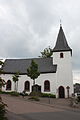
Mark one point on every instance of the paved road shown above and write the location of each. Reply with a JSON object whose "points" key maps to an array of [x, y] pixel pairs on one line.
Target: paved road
{"points": [[65, 115], [19, 109], [61, 115]]}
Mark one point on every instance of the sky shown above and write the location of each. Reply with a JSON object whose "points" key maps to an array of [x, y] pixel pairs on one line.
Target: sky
{"points": [[27, 27]]}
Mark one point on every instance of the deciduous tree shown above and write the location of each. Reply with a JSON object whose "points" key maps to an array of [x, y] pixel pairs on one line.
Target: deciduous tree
{"points": [[2, 105], [15, 78], [47, 52], [32, 71]]}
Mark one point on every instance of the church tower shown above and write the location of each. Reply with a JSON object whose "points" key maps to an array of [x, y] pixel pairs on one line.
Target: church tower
{"points": [[62, 56]]}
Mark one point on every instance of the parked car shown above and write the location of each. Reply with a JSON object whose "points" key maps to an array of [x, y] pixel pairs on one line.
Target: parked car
{"points": [[78, 94]]}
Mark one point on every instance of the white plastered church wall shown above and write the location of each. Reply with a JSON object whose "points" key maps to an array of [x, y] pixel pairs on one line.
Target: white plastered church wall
{"points": [[40, 81], [51, 77], [64, 71]]}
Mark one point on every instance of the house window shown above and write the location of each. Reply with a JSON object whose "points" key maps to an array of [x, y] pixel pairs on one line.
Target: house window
{"points": [[8, 85], [47, 86], [61, 55], [27, 86]]}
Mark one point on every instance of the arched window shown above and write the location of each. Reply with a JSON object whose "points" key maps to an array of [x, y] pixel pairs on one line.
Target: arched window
{"points": [[61, 55], [27, 86], [47, 86], [8, 85]]}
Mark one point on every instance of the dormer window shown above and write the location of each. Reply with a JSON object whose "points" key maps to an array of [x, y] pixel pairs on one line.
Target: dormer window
{"points": [[61, 55]]}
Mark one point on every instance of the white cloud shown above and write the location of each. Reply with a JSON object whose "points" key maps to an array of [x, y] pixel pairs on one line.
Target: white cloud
{"points": [[29, 26]]}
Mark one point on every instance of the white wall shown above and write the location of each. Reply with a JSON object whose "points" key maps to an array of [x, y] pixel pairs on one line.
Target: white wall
{"points": [[40, 81], [64, 71], [48, 76]]}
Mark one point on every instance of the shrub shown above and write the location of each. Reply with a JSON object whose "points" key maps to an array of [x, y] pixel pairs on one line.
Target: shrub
{"points": [[48, 95], [3, 92], [13, 93], [2, 110], [35, 98], [78, 98], [35, 94], [23, 94]]}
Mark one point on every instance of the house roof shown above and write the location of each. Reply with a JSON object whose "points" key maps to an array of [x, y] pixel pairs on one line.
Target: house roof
{"points": [[61, 43], [12, 66]]}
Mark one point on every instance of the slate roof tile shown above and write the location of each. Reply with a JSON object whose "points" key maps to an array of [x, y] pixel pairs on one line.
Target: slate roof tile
{"points": [[61, 43], [20, 65]]}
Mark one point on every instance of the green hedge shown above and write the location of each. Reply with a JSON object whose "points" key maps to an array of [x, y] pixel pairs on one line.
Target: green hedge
{"points": [[3, 92], [13, 93], [22, 94], [35, 94], [34, 98], [48, 95]]}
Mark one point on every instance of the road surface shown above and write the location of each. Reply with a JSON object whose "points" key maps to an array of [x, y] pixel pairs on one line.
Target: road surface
{"points": [[20, 109]]}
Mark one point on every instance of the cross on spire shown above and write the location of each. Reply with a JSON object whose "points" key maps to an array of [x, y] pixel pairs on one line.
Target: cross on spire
{"points": [[60, 23]]}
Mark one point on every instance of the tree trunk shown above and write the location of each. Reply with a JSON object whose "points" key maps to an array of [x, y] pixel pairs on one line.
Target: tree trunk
{"points": [[0, 88], [15, 86], [33, 82], [34, 85]]}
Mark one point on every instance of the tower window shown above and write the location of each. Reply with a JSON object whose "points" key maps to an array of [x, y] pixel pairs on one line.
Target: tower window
{"points": [[61, 55]]}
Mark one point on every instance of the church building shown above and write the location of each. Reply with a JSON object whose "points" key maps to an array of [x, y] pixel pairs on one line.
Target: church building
{"points": [[55, 72]]}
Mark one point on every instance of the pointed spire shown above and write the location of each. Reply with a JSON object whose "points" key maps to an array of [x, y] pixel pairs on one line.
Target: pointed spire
{"points": [[61, 43]]}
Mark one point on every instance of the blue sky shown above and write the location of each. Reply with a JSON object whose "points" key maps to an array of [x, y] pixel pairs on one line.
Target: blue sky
{"points": [[29, 26]]}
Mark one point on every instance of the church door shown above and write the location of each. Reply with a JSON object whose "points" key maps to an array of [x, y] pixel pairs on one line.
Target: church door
{"points": [[61, 92]]}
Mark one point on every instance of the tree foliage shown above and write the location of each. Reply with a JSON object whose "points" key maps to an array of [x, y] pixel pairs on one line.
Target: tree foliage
{"points": [[32, 71], [47, 52], [1, 63], [2, 83], [2, 105], [15, 78], [2, 110]]}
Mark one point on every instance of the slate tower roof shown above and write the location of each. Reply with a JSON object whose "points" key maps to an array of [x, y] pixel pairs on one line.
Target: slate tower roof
{"points": [[61, 43]]}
